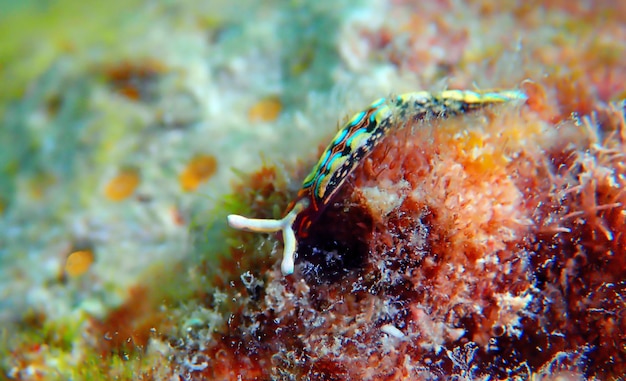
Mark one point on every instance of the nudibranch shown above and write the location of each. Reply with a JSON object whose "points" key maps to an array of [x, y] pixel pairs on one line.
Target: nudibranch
{"points": [[354, 141]]}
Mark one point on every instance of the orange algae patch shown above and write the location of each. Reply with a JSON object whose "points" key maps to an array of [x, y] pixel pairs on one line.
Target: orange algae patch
{"points": [[488, 148], [463, 178], [123, 185], [265, 110], [198, 170], [475, 151], [79, 262]]}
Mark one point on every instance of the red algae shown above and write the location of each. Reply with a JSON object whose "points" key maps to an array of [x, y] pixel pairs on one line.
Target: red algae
{"points": [[489, 245], [128, 327]]}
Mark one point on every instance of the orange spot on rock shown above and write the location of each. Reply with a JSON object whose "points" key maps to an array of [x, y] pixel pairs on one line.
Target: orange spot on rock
{"points": [[79, 262], [123, 185], [266, 110], [199, 169]]}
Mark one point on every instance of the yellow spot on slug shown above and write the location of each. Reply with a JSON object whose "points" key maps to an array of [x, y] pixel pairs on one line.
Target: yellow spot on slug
{"points": [[78, 262], [122, 185], [358, 140], [199, 169], [266, 110]]}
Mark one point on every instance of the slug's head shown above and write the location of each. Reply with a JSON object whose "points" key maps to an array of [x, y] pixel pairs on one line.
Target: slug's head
{"points": [[304, 214], [296, 220], [306, 209]]}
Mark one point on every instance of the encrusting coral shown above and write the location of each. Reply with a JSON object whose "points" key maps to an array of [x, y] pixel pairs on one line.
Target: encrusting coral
{"points": [[487, 245]]}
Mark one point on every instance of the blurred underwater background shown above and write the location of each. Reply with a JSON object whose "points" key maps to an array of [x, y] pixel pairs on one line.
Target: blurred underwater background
{"points": [[129, 130]]}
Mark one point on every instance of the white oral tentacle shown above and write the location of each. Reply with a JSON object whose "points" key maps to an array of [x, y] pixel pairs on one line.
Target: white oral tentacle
{"points": [[257, 225], [269, 226]]}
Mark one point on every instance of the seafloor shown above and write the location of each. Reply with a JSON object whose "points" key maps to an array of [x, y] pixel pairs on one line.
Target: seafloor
{"points": [[484, 247]]}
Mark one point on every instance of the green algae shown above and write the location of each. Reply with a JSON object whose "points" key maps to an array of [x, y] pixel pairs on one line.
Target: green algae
{"points": [[35, 33]]}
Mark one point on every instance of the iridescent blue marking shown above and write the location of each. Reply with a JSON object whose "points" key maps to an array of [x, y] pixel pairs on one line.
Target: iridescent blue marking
{"points": [[354, 135], [340, 136], [357, 119]]}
